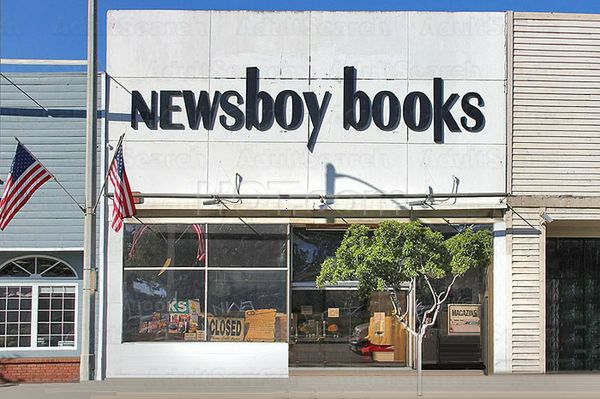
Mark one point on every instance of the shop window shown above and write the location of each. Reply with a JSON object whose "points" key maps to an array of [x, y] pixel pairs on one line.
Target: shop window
{"points": [[335, 327], [166, 296], [325, 321], [247, 305], [168, 245], [163, 305], [310, 249], [243, 245], [54, 322]]}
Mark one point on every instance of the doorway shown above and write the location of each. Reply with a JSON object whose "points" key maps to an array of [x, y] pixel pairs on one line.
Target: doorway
{"points": [[572, 304]]}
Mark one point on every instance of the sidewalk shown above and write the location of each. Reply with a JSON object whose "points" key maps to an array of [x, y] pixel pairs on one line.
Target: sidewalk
{"points": [[311, 387]]}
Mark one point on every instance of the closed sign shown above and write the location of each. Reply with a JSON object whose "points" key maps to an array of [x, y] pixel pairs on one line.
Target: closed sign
{"points": [[226, 328]]}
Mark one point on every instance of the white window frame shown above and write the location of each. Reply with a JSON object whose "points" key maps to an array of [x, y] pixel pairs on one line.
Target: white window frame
{"points": [[35, 290], [207, 269], [33, 276]]}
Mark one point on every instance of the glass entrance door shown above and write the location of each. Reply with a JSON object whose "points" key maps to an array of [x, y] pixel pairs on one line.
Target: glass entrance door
{"points": [[572, 304]]}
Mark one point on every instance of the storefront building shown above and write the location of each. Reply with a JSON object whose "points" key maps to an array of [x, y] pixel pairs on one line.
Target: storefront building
{"points": [[553, 230], [41, 249], [254, 139]]}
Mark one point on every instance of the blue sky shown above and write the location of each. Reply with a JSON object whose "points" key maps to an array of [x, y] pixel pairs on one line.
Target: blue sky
{"points": [[56, 29]]}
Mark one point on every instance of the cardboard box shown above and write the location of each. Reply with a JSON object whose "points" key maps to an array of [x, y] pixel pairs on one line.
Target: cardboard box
{"points": [[383, 356]]}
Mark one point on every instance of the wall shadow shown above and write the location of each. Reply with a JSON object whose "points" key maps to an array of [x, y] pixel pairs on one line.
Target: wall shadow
{"points": [[331, 175]]}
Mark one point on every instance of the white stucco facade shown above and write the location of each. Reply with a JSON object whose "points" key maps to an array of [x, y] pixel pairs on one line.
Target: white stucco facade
{"points": [[305, 52]]}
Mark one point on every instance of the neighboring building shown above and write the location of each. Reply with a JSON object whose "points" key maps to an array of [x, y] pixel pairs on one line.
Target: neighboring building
{"points": [[41, 249], [554, 179]]}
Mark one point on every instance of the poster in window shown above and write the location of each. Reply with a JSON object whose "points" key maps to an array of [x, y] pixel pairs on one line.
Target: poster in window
{"points": [[464, 319], [306, 310]]}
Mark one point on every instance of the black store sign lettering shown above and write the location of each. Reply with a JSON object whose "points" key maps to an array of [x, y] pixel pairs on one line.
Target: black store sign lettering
{"points": [[259, 110]]}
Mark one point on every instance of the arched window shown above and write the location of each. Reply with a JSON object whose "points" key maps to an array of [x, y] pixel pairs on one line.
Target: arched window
{"points": [[38, 304], [36, 267]]}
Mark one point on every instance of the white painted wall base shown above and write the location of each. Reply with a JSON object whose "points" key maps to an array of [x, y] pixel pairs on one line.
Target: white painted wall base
{"points": [[198, 360]]}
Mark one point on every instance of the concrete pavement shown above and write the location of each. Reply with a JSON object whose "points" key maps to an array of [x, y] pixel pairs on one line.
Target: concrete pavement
{"points": [[437, 385]]}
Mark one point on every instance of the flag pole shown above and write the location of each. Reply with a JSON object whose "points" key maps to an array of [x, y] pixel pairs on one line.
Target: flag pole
{"points": [[51, 174], [101, 191]]}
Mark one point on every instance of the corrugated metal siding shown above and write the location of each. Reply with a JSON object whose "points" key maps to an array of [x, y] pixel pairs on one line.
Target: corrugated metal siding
{"points": [[556, 104], [50, 219], [527, 316]]}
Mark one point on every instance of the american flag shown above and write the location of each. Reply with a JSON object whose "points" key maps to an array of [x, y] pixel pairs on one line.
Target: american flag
{"points": [[201, 254], [27, 174], [123, 205]]}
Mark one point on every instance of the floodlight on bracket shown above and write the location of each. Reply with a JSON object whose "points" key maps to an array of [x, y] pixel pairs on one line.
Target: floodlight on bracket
{"points": [[238, 182], [429, 194], [424, 202], [213, 201], [546, 219], [455, 184]]}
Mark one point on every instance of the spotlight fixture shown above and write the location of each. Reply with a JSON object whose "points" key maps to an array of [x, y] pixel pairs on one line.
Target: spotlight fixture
{"points": [[213, 201], [455, 184], [429, 194], [423, 202], [546, 219], [238, 182]]}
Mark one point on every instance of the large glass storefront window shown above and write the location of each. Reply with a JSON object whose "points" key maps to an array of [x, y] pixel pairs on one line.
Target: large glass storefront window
{"points": [[229, 282], [163, 306], [248, 246], [252, 301], [310, 249], [334, 326], [217, 282]]}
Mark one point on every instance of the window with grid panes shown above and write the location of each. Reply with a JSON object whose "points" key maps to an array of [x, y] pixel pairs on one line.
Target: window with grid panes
{"points": [[15, 316], [56, 316], [37, 314], [198, 282]]}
